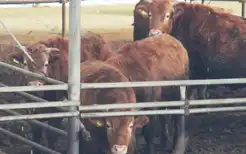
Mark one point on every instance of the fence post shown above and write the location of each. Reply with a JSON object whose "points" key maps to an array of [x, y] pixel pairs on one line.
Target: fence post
{"points": [[182, 138], [243, 8], [74, 73], [63, 17]]}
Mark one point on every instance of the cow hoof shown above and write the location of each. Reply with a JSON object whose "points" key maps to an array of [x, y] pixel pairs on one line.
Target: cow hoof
{"points": [[167, 147]]}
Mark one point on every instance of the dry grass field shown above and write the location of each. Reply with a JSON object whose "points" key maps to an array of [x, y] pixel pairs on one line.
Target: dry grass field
{"points": [[213, 133]]}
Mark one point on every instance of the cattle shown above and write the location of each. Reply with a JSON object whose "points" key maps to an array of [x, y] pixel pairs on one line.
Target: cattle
{"points": [[114, 135], [213, 37], [153, 59], [93, 46], [141, 20], [51, 59]]}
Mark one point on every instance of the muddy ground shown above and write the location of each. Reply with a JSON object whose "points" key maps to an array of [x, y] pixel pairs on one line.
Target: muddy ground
{"points": [[220, 133]]}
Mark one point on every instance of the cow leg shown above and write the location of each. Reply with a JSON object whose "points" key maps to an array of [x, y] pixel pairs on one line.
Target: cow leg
{"points": [[149, 132], [167, 132], [170, 125], [181, 134], [36, 136], [202, 92], [52, 137], [176, 130]]}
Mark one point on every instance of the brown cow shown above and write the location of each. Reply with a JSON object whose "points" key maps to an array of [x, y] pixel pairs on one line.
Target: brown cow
{"points": [[110, 134], [93, 46], [153, 59], [51, 59], [213, 37]]}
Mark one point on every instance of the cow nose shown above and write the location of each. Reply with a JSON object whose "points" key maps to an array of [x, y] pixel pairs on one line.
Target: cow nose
{"points": [[35, 83], [154, 32], [119, 149]]}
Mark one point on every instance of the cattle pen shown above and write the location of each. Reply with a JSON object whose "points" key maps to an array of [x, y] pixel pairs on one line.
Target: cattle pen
{"points": [[73, 87]]}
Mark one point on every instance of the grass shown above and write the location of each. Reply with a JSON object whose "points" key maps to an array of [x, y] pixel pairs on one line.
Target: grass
{"points": [[43, 21], [112, 21], [125, 10]]}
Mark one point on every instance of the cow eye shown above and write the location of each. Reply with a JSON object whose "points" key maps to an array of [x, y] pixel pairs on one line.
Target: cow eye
{"points": [[167, 15]]}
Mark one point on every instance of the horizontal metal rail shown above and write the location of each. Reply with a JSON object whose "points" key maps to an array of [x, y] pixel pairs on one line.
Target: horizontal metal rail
{"points": [[9, 2], [38, 76], [39, 116], [130, 105], [34, 88], [163, 83], [36, 145], [160, 112], [32, 97], [131, 113], [218, 109], [162, 104], [41, 124], [38, 105], [131, 84]]}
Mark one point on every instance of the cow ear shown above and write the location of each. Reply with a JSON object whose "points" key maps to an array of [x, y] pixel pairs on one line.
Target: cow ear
{"points": [[54, 54], [140, 121], [177, 12], [17, 58], [148, 1], [98, 122]]}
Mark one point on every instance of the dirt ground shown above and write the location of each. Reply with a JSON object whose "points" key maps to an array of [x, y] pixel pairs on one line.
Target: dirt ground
{"points": [[220, 133]]}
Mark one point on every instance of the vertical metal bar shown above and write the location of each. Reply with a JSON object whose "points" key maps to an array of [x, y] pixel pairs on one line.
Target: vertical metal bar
{"points": [[182, 138], [243, 9], [74, 73], [63, 17]]}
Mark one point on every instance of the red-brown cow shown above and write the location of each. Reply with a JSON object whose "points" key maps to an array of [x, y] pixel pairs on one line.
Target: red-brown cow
{"points": [[213, 37], [51, 59], [93, 47], [152, 59], [114, 135]]}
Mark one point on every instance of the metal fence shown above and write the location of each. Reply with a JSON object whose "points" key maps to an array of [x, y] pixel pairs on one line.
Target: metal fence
{"points": [[63, 2], [74, 111], [73, 88]]}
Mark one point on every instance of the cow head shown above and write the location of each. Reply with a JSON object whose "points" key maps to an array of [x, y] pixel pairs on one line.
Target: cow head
{"points": [[141, 20], [120, 130], [161, 16], [42, 57]]}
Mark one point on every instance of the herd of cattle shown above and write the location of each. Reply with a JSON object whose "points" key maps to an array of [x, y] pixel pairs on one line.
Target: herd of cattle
{"points": [[172, 41]]}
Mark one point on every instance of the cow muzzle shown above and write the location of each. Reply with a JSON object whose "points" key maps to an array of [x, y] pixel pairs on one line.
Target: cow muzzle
{"points": [[35, 83], [119, 149], [154, 32]]}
